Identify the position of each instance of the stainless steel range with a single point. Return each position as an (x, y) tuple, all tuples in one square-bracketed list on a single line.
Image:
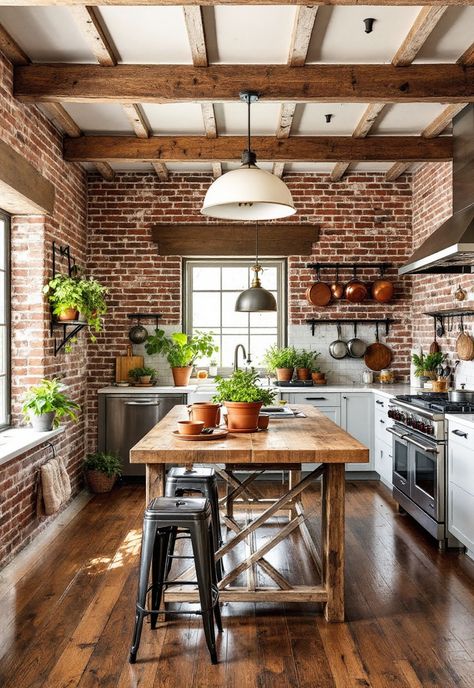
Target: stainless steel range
[(419, 439)]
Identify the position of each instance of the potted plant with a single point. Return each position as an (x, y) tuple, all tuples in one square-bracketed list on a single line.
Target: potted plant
[(426, 365), (243, 397), (304, 363), (281, 361), (142, 375), (317, 376), (181, 351), (64, 295), (92, 304), (102, 470), (46, 404)]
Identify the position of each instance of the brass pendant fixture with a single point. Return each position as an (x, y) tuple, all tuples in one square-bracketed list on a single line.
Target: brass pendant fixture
[(256, 299)]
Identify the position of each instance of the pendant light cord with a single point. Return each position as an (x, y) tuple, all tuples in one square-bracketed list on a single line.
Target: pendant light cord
[(256, 243), (248, 128)]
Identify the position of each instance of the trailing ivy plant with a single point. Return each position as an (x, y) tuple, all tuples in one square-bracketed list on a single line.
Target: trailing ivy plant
[(242, 386), (180, 349)]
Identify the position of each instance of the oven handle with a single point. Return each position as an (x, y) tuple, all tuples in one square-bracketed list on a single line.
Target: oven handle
[(428, 450), (397, 434)]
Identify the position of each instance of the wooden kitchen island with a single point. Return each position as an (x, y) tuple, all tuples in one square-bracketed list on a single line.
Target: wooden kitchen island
[(288, 443)]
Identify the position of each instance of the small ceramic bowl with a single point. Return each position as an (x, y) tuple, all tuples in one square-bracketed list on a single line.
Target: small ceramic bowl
[(190, 427), (263, 421)]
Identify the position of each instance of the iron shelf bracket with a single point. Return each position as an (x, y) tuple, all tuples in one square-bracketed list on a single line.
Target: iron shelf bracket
[(351, 321), (145, 316), (382, 267)]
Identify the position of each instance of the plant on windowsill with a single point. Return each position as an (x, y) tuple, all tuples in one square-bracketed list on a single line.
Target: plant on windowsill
[(426, 365), (142, 376), (181, 351), (305, 361), (282, 361), (243, 397), (101, 471), (46, 404)]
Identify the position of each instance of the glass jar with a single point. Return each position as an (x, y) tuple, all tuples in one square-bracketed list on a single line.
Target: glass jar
[(386, 376)]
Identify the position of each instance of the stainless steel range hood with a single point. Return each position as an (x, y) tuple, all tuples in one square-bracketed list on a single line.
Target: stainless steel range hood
[(450, 249)]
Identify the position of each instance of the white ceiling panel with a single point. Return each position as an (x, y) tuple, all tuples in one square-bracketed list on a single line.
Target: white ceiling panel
[(182, 167), (46, 34), (95, 118), (452, 35), (370, 167), (231, 118), (309, 167), (309, 119), (339, 33), (174, 118), (228, 166), (250, 34), (131, 167), (406, 118), (150, 35)]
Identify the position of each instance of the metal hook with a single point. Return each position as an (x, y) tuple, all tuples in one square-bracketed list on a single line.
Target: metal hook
[(52, 449)]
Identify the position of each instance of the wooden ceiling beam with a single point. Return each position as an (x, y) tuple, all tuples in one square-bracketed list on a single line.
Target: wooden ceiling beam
[(104, 169), (10, 48), (93, 33), (338, 171), (228, 148), (467, 58), (136, 119), (216, 169), (61, 119), (367, 83), (396, 171), (207, 3), (161, 170), (196, 36)]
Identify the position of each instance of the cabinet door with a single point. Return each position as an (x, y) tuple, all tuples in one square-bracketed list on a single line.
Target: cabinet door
[(357, 420), (383, 461), (461, 515)]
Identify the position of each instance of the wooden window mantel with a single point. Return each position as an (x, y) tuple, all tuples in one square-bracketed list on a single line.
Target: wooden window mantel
[(203, 240)]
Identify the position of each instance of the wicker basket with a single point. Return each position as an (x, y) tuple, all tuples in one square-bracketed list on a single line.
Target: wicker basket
[(99, 482)]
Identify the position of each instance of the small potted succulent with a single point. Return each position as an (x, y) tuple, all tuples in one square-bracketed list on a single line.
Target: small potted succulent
[(243, 398), (101, 471), (305, 361), (46, 404), (426, 365), (143, 375), (181, 351), (282, 361)]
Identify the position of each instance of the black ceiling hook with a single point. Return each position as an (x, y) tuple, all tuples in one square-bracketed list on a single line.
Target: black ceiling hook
[(369, 24)]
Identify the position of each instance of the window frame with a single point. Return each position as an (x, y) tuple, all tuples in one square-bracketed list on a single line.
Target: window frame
[(282, 290), (6, 218)]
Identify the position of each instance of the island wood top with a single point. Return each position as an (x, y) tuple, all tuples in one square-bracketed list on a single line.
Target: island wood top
[(314, 439)]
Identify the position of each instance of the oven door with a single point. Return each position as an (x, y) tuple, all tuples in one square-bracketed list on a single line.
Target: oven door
[(400, 454), (427, 476)]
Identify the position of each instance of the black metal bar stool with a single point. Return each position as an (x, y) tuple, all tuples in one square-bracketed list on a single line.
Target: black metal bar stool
[(163, 517), (204, 481)]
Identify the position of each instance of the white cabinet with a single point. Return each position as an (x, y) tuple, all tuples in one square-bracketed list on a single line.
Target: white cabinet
[(383, 460), (382, 439), (461, 483), (357, 419), (328, 403)]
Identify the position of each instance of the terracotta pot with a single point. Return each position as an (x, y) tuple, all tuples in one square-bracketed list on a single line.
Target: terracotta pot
[(303, 373), (99, 482), (68, 314), (206, 411), (243, 415), (317, 377), (145, 379), (190, 427), (263, 421), (284, 374), (181, 376)]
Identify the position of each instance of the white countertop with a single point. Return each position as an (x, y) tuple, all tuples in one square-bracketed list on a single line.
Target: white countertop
[(463, 418), (155, 389)]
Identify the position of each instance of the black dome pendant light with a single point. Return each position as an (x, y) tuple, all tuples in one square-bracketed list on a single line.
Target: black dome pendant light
[(256, 299)]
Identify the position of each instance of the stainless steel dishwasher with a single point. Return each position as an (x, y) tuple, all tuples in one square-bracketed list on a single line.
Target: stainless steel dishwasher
[(125, 418)]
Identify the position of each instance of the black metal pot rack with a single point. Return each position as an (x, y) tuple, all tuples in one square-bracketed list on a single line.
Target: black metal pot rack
[(70, 328), (145, 316), (351, 321), (450, 314), (381, 267)]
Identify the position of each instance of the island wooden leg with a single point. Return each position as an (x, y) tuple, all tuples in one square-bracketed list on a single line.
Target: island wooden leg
[(333, 505), (155, 481)]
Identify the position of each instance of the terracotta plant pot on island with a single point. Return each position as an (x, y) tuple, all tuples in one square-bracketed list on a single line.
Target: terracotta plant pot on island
[(243, 415), (284, 374), (181, 376)]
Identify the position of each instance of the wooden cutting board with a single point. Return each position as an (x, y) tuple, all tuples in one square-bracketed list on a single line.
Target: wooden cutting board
[(124, 364), (465, 347)]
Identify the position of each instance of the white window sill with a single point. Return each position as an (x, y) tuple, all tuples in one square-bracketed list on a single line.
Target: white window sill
[(17, 441)]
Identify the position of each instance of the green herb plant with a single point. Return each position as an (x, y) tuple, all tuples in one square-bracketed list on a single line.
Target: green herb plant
[(242, 386), (280, 357), (306, 359), (49, 396), (180, 349), (137, 373), (108, 463), (92, 304), (63, 292), (429, 362)]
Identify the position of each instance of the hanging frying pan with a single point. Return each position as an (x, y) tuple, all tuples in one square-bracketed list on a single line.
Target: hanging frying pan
[(319, 293), (377, 355), (356, 346), (337, 288), (338, 348)]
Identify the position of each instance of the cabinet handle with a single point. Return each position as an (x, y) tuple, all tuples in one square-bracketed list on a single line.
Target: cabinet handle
[(382, 421), (345, 398), (460, 433), (315, 398), (402, 482), (380, 403), (142, 403)]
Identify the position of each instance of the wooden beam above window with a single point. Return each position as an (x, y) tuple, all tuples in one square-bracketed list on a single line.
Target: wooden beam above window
[(203, 240), (126, 83)]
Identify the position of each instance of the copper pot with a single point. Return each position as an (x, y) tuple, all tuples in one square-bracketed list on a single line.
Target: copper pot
[(356, 291), (337, 289), (382, 290)]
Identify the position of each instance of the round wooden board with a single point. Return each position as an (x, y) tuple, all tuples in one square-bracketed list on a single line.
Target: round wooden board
[(465, 347), (216, 435), (377, 356)]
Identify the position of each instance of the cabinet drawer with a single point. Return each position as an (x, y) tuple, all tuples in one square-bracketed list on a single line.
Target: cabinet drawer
[(316, 398), (461, 515), (461, 466), (461, 436), (383, 460), (382, 403), (381, 423)]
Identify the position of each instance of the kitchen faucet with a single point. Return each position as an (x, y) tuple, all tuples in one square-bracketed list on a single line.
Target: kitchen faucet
[(236, 356)]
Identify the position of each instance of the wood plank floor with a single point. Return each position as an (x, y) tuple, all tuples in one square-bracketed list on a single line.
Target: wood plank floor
[(67, 620)]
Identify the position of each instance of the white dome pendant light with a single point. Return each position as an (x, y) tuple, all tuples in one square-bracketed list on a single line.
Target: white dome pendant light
[(248, 193), (256, 299)]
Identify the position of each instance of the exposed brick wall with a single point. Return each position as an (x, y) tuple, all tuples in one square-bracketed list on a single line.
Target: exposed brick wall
[(26, 130), (362, 218), (432, 204)]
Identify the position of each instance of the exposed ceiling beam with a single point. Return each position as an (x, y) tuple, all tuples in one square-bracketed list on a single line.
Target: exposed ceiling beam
[(467, 58), (423, 25), (278, 169), (338, 171), (346, 3), (216, 169), (105, 170), (161, 170), (435, 128), (197, 39), (228, 148), (92, 32), (61, 119), (136, 119), (368, 83), (10, 48), (209, 119)]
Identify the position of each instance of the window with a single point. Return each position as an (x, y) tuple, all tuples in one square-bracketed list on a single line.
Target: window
[(211, 289), (4, 320)]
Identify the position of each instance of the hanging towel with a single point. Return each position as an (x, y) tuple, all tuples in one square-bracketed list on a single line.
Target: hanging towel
[(54, 487)]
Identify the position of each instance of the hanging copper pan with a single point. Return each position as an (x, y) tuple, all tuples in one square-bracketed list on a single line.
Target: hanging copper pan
[(319, 293), (337, 288), (382, 290), (356, 291), (377, 355)]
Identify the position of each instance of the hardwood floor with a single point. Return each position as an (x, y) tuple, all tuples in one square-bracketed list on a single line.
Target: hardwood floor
[(67, 620)]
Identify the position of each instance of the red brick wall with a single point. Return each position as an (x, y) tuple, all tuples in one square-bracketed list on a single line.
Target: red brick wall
[(362, 218), (26, 130)]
